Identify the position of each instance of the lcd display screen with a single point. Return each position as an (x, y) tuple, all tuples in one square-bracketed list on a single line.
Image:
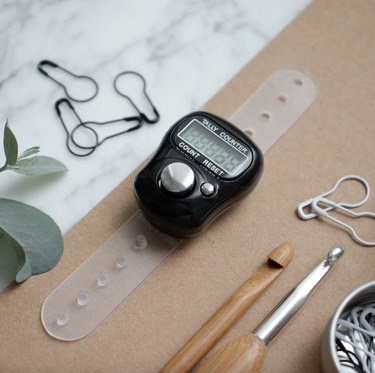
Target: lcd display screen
[(213, 147)]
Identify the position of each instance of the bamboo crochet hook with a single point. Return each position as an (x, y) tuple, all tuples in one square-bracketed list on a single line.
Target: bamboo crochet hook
[(235, 306), (246, 354)]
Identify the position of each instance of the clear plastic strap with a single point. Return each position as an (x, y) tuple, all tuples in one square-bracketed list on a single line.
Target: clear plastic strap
[(105, 279), (276, 104), (108, 276)]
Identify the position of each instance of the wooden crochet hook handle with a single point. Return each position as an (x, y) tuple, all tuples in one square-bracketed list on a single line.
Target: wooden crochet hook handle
[(235, 306), (242, 355)]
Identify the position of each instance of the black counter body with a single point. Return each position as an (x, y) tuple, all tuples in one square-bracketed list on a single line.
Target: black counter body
[(186, 214)]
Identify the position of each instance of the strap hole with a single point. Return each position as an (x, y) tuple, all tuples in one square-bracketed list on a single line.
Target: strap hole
[(282, 98), (298, 82), (265, 116), (249, 132)]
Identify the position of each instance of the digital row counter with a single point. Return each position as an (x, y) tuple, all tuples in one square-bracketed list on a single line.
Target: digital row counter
[(203, 165)]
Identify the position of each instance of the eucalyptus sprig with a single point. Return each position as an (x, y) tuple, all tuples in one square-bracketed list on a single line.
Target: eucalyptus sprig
[(27, 163), (30, 240)]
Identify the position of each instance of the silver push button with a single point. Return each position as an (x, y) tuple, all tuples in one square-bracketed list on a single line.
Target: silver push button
[(207, 189), (177, 177)]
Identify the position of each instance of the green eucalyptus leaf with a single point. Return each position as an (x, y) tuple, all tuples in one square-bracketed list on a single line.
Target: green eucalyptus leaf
[(12, 259), (10, 146), (8, 263), (37, 234), (38, 165), (28, 152), (25, 272)]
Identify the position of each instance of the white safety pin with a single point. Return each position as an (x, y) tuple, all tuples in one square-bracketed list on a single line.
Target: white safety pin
[(307, 216), (316, 210), (323, 212)]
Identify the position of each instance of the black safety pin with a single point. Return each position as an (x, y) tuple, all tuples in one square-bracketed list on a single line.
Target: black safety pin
[(87, 125), (143, 116), (91, 149), (41, 69)]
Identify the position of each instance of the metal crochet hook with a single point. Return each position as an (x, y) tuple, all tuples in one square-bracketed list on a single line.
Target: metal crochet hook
[(54, 65), (321, 205), (296, 298), (246, 354)]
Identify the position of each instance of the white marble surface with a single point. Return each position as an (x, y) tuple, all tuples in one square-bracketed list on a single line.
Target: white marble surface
[(186, 50)]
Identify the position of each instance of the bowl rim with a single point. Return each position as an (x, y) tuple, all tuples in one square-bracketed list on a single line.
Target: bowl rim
[(339, 310)]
